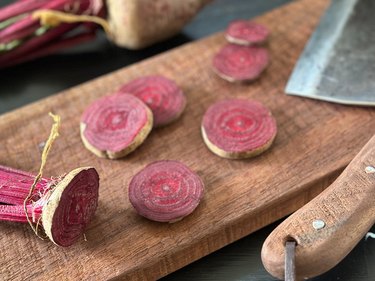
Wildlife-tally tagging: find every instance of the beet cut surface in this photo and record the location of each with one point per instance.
(165, 191)
(162, 95)
(71, 206)
(238, 128)
(243, 32)
(115, 125)
(240, 63)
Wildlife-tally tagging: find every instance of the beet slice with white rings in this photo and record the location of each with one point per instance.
(243, 32)
(165, 191)
(71, 206)
(240, 63)
(238, 128)
(115, 125)
(166, 100)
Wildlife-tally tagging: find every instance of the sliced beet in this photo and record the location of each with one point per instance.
(240, 63)
(238, 128)
(115, 125)
(165, 191)
(243, 32)
(71, 206)
(162, 95)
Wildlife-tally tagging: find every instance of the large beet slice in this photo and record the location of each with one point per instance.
(165, 191)
(162, 95)
(238, 128)
(71, 206)
(240, 63)
(246, 33)
(115, 125)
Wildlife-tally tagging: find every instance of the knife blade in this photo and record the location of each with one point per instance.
(328, 227)
(338, 63)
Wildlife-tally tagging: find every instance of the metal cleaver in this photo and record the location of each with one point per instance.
(338, 63)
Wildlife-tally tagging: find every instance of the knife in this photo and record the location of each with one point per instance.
(338, 63)
(327, 228)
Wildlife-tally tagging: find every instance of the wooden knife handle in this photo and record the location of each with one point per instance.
(328, 227)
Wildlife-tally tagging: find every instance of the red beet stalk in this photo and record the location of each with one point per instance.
(63, 206)
(21, 36)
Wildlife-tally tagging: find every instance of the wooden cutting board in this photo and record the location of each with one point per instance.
(315, 141)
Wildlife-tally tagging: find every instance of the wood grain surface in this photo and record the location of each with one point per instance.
(316, 140)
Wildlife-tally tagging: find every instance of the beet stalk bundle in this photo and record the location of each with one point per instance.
(26, 35)
(34, 28)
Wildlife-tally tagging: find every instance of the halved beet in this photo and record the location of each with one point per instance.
(162, 95)
(240, 63)
(71, 206)
(165, 191)
(238, 128)
(115, 125)
(243, 32)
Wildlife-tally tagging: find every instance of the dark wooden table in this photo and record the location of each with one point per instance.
(240, 261)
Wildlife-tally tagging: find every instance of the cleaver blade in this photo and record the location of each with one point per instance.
(338, 62)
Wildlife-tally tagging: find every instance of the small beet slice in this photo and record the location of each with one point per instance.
(246, 33)
(238, 128)
(165, 191)
(115, 125)
(162, 95)
(71, 206)
(240, 63)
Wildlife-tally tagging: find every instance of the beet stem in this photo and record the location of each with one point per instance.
(14, 190)
(20, 7)
(15, 186)
(52, 48)
(17, 214)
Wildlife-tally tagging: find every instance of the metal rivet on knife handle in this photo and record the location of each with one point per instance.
(318, 224)
(290, 269)
(370, 169)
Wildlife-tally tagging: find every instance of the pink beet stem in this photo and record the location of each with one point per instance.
(14, 189)
(23, 33)
(17, 213)
(15, 186)
(35, 42)
(26, 23)
(53, 48)
(20, 25)
(19, 8)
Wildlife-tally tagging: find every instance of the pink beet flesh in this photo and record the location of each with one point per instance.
(238, 125)
(246, 33)
(165, 191)
(162, 95)
(76, 208)
(113, 122)
(240, 63)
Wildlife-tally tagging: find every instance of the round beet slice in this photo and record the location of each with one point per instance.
(165, 191)
(71, 206)
(240, 63)
(162, 95)
(115, 125)
(238, 128)
(246, 33)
